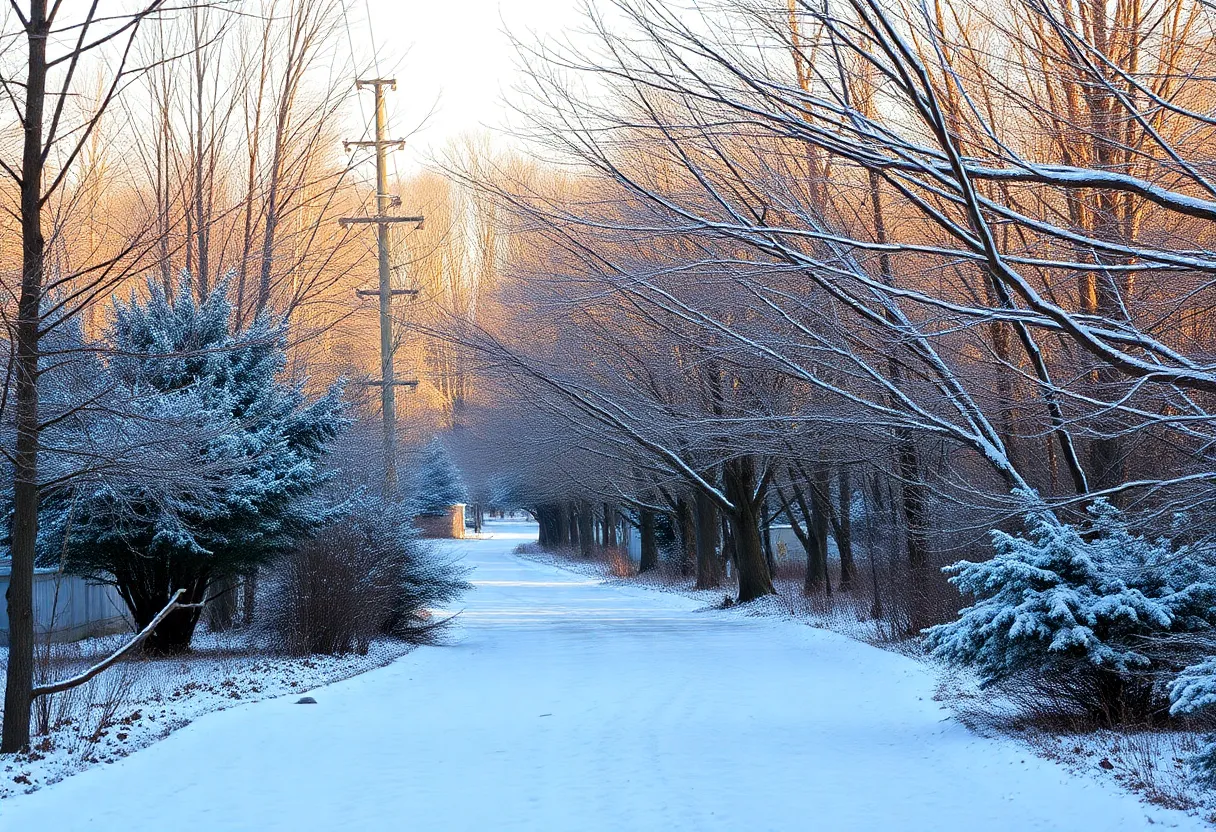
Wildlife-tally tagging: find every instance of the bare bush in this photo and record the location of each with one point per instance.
(363, 576)
(618, 563)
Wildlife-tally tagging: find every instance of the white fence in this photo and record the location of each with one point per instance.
(68, 607)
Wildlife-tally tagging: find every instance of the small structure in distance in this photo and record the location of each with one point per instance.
(442, 525)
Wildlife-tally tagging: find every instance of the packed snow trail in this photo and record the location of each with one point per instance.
(567, 704)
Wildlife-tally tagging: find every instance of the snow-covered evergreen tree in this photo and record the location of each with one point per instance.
(437, 483)
(1088, 610)
(247, 476)
(1195, 688)
(1192, 692)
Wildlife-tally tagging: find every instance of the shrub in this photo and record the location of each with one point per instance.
(1194, 691)
(619, 564)
(366, 574)
(1092, 621)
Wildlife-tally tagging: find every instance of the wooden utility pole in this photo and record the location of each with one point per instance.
(388, 382)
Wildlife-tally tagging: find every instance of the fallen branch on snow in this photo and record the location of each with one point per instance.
(66, 684)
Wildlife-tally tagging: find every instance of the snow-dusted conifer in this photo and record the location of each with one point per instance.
(1089, 610)
(1194, 691)
(437, 481)
(254, 461)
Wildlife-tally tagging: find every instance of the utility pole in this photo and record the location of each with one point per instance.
(388, 382)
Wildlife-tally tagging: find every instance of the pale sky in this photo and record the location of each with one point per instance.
(453, 55)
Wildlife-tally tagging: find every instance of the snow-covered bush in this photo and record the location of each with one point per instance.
(1087, 619)
(1194, 691)
(364, 574)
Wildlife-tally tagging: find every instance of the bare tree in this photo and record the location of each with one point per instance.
(40, 102)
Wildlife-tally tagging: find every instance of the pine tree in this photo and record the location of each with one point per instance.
(242, 488)
(438, 484)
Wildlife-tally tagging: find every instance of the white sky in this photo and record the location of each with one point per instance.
(453, 55)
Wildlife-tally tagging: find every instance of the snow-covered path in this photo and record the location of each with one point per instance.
(566, 704)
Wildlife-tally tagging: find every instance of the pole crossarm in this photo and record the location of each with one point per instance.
(391, 83)
(375, 293)
(394, 383)
(379, 220)
(378, 143)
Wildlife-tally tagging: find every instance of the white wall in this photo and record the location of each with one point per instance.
(68, 607)
(787, 547)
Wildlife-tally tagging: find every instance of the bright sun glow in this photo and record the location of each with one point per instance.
(455, 58)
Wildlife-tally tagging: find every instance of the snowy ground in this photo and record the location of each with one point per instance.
(566, 704)
(137, 703)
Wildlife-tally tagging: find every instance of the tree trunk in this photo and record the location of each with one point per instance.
(221, 610)
(813, 539)
(251, 597)
(808, 545)
(650, 546)
(821, 510)
(564, 532)
(273, 206)
(755, 580)
(767, 534)
(202, 277)
(1106, 452)
(709, 568)
(572, 526)
(586, 529)
(609, 526)
(913, 502)
(727, 556)
(914, 505)
(739, 478)
(686, 528)
(173, 635)
(543, 518)
(554, 528)
(843, 529)
(24, 535)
